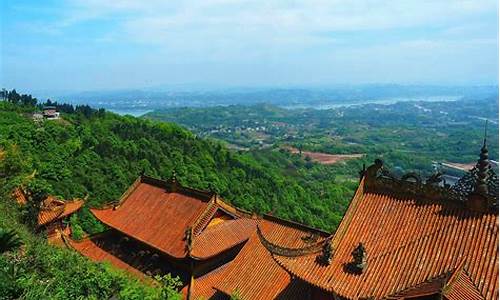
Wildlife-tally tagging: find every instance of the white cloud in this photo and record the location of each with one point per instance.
(348, 40)
(157, 17)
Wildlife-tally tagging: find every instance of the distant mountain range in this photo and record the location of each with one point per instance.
(199, 96)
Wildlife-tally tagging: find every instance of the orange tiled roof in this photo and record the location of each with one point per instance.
(408, 241)
(255, 274)
(203, 286)
(20, 196)
(90, 249)
(155, 217)
(222, 236)
(159, 215)
(53, 209)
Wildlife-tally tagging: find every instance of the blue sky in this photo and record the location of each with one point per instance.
(94, 44)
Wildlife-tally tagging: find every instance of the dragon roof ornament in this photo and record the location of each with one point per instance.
(480, 181)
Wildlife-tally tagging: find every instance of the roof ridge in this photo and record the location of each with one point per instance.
(441, 276)
(294, 224)
(335, 237)
(129, 190)
(166, 183)
(287, 251)
(123, 197)
(348, 215)
(230, 209)
(454, 276)
(280, 263)
(207, 213)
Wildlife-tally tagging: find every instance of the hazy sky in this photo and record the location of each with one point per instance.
(101, 44)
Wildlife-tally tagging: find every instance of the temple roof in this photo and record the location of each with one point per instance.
(176, 220)
(408, 241)
(54, 209)
(203, 286)
(255, 274)
(222, 236)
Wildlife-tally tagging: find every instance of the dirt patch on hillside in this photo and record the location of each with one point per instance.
(325, 158)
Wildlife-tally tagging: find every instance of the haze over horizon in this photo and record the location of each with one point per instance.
(78, 45)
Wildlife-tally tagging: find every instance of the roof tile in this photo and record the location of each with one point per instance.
(408, 242)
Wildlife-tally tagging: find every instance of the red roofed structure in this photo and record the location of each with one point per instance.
(51, 218)
(53, 209)
(400, 238)
(51, 214)
(403, 238)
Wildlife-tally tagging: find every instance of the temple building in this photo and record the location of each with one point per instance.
(400, 238)
(52, 215)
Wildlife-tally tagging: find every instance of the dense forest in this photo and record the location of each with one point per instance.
(29, 267)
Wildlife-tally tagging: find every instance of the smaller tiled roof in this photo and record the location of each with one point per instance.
(156, 215)
(428, 288)
(56, 237)
(455, 286)
(54, 209)
(223, 236)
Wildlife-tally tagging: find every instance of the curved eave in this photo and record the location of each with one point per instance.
(69, 208)
(316, 249)
(171, 255)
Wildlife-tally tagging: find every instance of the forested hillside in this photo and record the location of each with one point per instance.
(99, 154)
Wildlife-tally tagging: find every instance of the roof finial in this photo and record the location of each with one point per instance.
(325, 257)
(483, 166)
(174, 184)
(359, 258)
(480, 199)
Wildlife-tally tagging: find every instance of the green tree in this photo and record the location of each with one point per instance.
(9, 240)
(169, 286)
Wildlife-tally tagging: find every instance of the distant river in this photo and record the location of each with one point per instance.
(139, 111)
(136, 112)
(380, 101)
